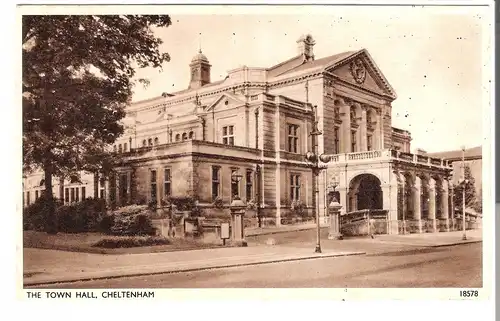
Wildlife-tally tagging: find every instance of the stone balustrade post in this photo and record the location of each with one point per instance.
(334, 228)
(237, 224)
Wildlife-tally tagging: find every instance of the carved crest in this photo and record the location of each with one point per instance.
(358, 71)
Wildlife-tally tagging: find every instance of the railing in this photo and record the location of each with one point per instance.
(387, 155)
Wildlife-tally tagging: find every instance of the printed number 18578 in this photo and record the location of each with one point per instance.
(469, 293)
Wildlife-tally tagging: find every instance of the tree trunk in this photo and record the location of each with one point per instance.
(96, 185)
(50, 209)
(61, 189)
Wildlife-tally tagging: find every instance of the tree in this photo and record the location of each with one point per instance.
(470, 191)
(78, 75)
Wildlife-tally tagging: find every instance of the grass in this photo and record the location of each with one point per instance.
(86, 242)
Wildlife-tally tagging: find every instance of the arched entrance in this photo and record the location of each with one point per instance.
(365, 193)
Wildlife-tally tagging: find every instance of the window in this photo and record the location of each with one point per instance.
(144, 143)
(215, 182)
(184, 136)
(228, 135)
(336, 147)
(28, 201)
(150, 142)
(249, 185)
(123, 188)
(177, 137)
(293, 138)
(77, 194)
(72, 199)
(235, 188)
(125, 147)
(102, 191)
(353, 141)
(167, 184)
(294, 187)
(153, 185)
(83, 193)
(66, 195)
(114, 148)
(191, 135)
(369, 142)
(157, 141)
(120, 148)
(36, 195)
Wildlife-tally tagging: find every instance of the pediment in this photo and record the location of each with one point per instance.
(361, 71)
(225, 101)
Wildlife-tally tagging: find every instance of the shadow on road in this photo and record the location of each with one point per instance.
(410, 252)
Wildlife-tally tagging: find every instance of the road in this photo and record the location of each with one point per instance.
(454, 266)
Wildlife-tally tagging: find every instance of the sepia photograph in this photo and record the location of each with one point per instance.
(188, 147)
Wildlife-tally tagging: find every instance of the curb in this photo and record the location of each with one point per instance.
(195, 269)
(281, 232)
(458, 243)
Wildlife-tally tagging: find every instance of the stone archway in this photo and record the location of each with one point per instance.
(365, 192)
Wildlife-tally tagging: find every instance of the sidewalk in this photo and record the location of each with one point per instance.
(49, 266)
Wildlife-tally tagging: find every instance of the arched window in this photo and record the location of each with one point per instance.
(191, 135)
(184, 136)
(125, 147)
(42, 182)
(144, 143)
(157, 141)
(114, 148)
(177, 137)
(150, 142)
(120, 148)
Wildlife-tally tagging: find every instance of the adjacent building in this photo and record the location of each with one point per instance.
(246, 135)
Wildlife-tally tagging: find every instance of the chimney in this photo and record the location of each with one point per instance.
(305, 46)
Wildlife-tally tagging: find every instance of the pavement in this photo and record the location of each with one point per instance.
(45, 267)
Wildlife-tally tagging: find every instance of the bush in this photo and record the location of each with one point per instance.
(81, 217)
(131, 220)
(133, 241)
(35, 215)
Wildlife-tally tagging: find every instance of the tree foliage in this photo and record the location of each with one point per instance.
(470, 191)
(78, 75)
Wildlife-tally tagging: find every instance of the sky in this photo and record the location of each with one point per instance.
(434, 58)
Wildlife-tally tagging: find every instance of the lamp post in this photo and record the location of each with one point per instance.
(464, 182)
(313, 159)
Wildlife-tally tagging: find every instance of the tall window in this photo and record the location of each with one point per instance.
(353, 141)
(83, 193)
(167, 183)
(369, 142)
(249, 185)
(36, 195)
(191, 135)
(157, 141)
(184, 136)
(228, 135)
(336, 146)
(177, 137)
(72, 199)
(294, 187)
(293, 138)
(120, 149)
(77, 194)
(153, 185)
(144, 143)
(114, 148)
(150, 141)
(235, 190)
(215, 182)
(28, 201)
(102, 191)
(66, 195)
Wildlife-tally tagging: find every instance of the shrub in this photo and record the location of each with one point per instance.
(132, 241)
(132, 220)
(35, 215)
(84, 216)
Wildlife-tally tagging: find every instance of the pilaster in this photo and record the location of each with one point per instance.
(345, 139)
(444, 204)
(362, 129)
(417, 212)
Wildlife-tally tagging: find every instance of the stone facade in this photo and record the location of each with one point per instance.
(256, 123)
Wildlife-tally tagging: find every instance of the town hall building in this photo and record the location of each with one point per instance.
(255, 125)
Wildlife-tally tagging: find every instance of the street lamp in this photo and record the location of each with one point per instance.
(464, 182)
(313, 159)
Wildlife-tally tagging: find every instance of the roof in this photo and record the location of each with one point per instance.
(319, 62)
(475, 152)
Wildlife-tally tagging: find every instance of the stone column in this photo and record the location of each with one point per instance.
(362, 129)
(345, 139)
(451, 214)
(404, 214)
(417, 212)
(444, 204)
(432, 203)
(343, 199)
(237, 224)
(334, 228)
(118, 199)
(107, 192)
(390, 202)
(379, 132)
